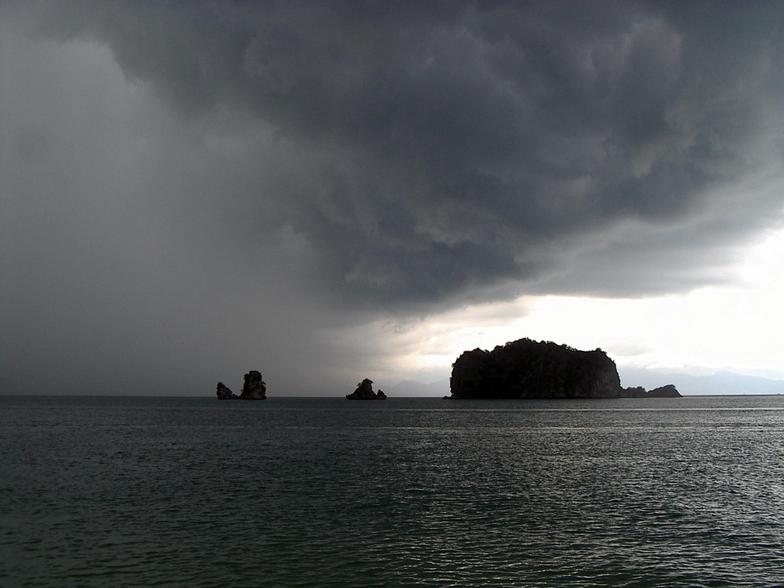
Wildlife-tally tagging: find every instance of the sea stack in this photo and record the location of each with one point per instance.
(541, 369)
(364, 391)
(224, 392)
(253, 388)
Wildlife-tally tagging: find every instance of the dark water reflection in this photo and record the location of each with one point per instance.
(408, 492)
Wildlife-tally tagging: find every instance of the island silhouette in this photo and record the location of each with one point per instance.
(253, 388)
(364, 391)
(518, 369)
(542, 369)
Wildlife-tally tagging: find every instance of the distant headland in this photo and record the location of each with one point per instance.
(542, 369)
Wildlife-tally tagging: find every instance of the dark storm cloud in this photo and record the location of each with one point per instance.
(448, 146)
(192, 189)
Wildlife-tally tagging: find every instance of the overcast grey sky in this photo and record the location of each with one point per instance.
(189, 190)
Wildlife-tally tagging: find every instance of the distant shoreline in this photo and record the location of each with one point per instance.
(397, 396)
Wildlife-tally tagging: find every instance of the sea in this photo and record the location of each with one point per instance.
(139, 491)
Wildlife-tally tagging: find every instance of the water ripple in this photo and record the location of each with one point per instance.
(194, 492)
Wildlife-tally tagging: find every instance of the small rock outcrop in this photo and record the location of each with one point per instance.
(635, 392)
(224, 392)
(668, 391)
(541, 369)
(253, 388)
(364, 391)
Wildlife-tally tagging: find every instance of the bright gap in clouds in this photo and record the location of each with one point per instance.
(736, 328)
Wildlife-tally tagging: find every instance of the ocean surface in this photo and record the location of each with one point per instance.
(405, 492)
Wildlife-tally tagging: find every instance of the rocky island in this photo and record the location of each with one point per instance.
(542, 369)
(253, 388)
(364, 391)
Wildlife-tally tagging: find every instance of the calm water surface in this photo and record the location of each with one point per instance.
(303, 492)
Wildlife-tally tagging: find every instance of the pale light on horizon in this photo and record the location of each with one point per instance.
(734, 328)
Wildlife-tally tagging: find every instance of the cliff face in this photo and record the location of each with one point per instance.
(533, 369)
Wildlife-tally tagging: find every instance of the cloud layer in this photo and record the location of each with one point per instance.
(444, 146)
(333, 161)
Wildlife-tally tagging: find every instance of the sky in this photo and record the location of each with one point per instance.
(333, 191)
